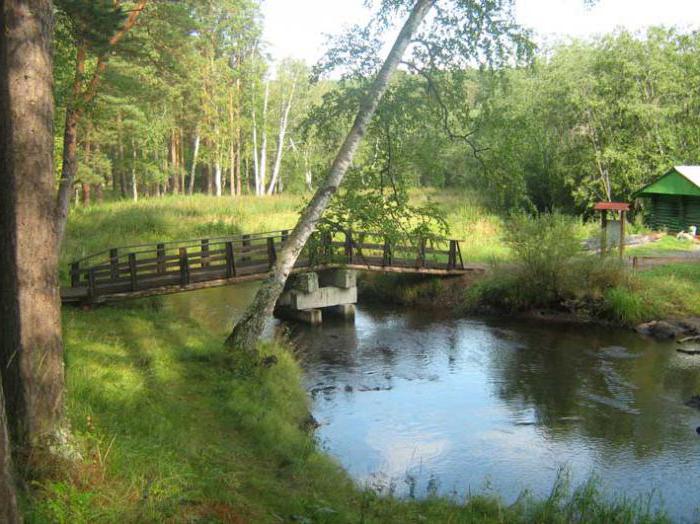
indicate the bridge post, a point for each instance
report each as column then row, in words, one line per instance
column 132, row 270
column 452, row 260
column 160, row 251
column 92, row 286
column 421, row 252
column 348, row 246
column 386, row 256
column 246, row 246
column 205, row 253
column 230, row 261
column 75, row 274
column 114, row 263
column 271, row 253
column 184, row 267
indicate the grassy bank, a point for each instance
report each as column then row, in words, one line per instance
column 167, row 435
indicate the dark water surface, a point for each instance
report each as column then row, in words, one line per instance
column 416, row 400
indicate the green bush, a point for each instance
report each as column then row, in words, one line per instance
column 543, row 248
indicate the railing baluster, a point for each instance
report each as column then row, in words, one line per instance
column 132, row 271
column 271, row 253
column 386, row 256
column 348, row 246
column 184, row 267
column 114, row 263
column 230, row 261
column 160, row 250
column 75, row 274
column 452, row 259
column 92, row 286
column 205, row 253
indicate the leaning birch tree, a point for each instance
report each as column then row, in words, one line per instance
column 461, row 33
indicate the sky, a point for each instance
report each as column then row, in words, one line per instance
column 295, row 28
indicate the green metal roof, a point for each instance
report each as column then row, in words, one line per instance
column 680, row 181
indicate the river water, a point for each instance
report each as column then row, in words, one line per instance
column 414, row 401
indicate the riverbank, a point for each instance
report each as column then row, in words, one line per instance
column 167, row 435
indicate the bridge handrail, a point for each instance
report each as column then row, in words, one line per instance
column 193, row 242
column 221, row 239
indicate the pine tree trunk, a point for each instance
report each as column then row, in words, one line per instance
column 8, row 499
column 31, row 349
column 249, row 328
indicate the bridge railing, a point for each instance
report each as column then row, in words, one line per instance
column 138, row 268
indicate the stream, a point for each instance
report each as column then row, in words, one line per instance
column 416, row 403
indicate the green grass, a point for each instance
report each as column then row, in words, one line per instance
column 666, row 246
column 168, row 435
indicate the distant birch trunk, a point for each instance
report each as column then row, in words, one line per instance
column 262, row 164
column 249, row 328
column 134, row 185
column 217, row 176
column 195, row 155
column 256, row 167
column 284, row 120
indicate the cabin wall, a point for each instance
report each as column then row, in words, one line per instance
column 674, row 213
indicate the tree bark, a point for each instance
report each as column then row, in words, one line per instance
column 249, row 328
column 31, row 349
column 8, row 499
column 256, row 167
column 284, row 120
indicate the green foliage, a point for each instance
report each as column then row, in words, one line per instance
column 543, row 247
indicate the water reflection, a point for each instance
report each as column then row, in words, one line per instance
column 434, row 404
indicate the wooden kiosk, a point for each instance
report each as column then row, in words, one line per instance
column 616, row 207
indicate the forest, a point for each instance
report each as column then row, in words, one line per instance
column 190, row 103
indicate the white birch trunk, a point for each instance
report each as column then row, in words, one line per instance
column 195, row 156
column 263, row 145
column 284, row 121
column 249, row 328
column 256, row 168
column 134, row 186
column 217, row 177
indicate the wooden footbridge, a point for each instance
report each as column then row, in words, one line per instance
column 174, row 267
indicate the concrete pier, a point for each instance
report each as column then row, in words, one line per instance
column 308, row 297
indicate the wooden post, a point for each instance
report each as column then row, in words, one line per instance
column 421, row 253
column 205, row 253
column 271, row 253
column 452, row 258
column 622, row 234
column 386, row 256
column 184, row 267
column 75, row 274
column 327, row 243
column 160, row 250
column 92, row 286
column 348, row 246
column 132, row 270
column 114, row 263
column 285, row 236
column 603, row 233
column 246, row 245
column 230, row 261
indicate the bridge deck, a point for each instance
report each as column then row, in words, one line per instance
column 174, row 267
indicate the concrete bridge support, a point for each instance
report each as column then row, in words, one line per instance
column 309, row 297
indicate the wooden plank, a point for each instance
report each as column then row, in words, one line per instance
column 271, row 253
column 160, row 250
column 114, row 263
column 205, row 252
